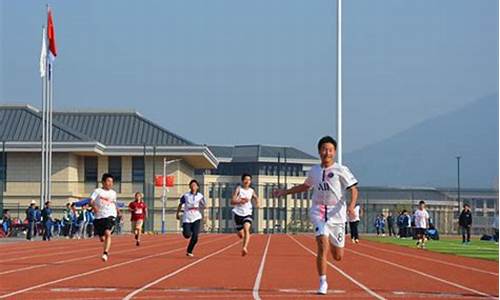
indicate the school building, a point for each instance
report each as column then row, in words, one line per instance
column 132, row 148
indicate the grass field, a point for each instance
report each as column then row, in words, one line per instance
column 449, row 245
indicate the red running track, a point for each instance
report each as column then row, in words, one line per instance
column 278, row 267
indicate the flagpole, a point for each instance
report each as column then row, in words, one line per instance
column 339, row 81
column 50, row 104
column 42, row 146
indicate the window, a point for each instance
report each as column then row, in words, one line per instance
column 138, row 169
column 90, row 169
column 115, row 167
column 490, row 203
column 479, row 203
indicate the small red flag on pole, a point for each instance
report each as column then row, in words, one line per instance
column 51, row 34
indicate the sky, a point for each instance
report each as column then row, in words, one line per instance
column 257, row 72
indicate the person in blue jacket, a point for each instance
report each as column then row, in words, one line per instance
column 31, row 219
column 47, row 221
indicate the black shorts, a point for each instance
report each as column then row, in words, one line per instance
column 420, row 231
column 239, row 221
column 103, row 224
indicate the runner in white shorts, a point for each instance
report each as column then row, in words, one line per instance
column 329, row 209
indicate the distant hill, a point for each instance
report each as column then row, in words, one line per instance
column 424, row 155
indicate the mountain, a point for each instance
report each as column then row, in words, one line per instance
column 425, row 154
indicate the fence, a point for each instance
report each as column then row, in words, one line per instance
column 275, row 215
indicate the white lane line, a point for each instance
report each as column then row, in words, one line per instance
column 425, row 275
column 366, row 289
column 137, row 291
column 256, row 286
column 84, row 257
column 95, row 271
column 429, row 259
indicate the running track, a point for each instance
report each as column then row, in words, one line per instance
column 278, row 267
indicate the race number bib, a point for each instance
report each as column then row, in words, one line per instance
column 138, row 211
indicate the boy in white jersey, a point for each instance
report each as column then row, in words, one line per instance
column 242, row 201
column 328, row 211
column 103, row 201
column 421, row 224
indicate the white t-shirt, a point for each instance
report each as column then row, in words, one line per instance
column 105, row 201
column 244, row 209
column 329, row 184
column 356, row 214
column 192, row 204
column 421, row 217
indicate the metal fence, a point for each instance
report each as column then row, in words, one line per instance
column 275, row 215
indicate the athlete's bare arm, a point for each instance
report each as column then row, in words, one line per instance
column 354, row 199
column 293, row 190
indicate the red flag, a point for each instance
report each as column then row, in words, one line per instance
column 51, row 34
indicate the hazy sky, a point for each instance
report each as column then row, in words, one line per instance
column 241, row 72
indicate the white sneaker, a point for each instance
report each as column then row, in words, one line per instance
column 189, row 254
column 104, row 257
column 323, row 288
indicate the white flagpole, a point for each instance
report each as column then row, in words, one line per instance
column 339, row 81
column 50, row 104
column 42, row 175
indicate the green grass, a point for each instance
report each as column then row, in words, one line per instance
column 448, row 245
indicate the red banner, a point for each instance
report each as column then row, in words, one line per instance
column 169, row 182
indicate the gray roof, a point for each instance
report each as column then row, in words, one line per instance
column 249, row 153
column 119, row 128
column 23, row 123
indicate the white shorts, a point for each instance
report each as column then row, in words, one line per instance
column 334, row 231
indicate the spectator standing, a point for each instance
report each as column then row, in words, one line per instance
column 31, row 220
column 465, row 223
column 354, row 222
column 407, row 223
column 390, row 224
column 380, row 224
column 66, row 220
column 495, row 227
column 82, row 222
column 89, row 230
column 47, row 221
column 74, row 221
column 6, row 222
column 38, row 221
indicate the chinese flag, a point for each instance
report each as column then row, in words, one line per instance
column 51, row 34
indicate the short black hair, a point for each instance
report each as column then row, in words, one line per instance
column 327, row 139
column 105, row 176
column 194, row 181
column 466, row 205
column 73, row 204
column 245, row 175
column 421, row 202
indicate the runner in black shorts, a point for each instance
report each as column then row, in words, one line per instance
column 101, row 225
column 239, row 221
column 103, row 202
column 242, row 200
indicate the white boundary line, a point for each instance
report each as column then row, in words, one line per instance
column 137, row 291
column 85, row 257
column 429, row 259
column 256, row 286
column 95, row 271
column 425, row 275
column 366, row 289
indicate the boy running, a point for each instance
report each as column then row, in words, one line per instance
column 192, row 201
column 328, row 211
column 103, row 201
column 138, row 212
column 421, row 224
column 242, row 201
